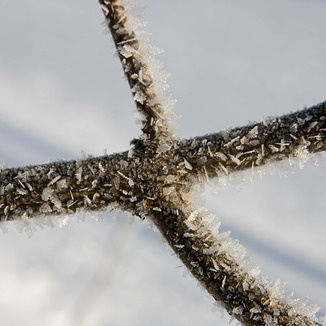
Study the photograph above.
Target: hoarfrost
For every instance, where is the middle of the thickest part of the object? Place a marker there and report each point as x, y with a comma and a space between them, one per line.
223, 282
190, 235
23, 225
87, 201
140, 97
254, 270
140, 116
22, 191
63, 220
167, 191
191, 225
192, 216
322, 320
105, 9
217, 306
45, 208
53, 181
232, 141
256, 309
9, 187
255, 142
211, 250
146, 55
253, 133
224, 169
130, 153
130, 181
6, 210
312, 125
100, 166
220, 155
57, 203
123, 164
50, 173
301, 122
79, 173
46, 194
282, 145
277, 290
216, 266
268, 319
62, 184
199, 223
273, 148
126, 50
170, 179
187, 165
21, 183
234, 159
303, 154
179, 247
163, 148
294, 127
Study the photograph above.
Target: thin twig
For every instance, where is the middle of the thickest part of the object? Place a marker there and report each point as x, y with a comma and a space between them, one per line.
295, 135
135, 66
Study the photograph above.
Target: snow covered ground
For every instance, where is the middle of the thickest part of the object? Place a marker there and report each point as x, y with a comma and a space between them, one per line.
62, 90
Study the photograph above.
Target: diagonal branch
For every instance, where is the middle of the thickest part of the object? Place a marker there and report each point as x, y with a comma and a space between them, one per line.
135, 64
219, 263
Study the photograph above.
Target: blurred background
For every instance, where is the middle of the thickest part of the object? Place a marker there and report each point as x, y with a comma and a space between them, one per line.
62, 90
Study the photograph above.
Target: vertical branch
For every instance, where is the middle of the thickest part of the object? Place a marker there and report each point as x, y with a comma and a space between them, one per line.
136, 68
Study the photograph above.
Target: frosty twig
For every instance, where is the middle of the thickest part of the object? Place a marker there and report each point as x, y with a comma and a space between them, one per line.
220, 264
293, 135
158, 187
60, 187
134, 62
155, 178
123, 179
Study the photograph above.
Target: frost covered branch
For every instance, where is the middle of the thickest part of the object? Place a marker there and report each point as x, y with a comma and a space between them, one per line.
220, 264
60, 187
155, 179
136, 59
128, 180
295, 135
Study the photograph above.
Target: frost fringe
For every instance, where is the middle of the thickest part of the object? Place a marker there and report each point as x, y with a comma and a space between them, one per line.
142, 69
155, 180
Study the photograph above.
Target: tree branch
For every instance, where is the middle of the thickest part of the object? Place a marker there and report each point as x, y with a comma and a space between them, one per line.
155, 178
122, 179
220, 264
62, 187
293, 135
134, 58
